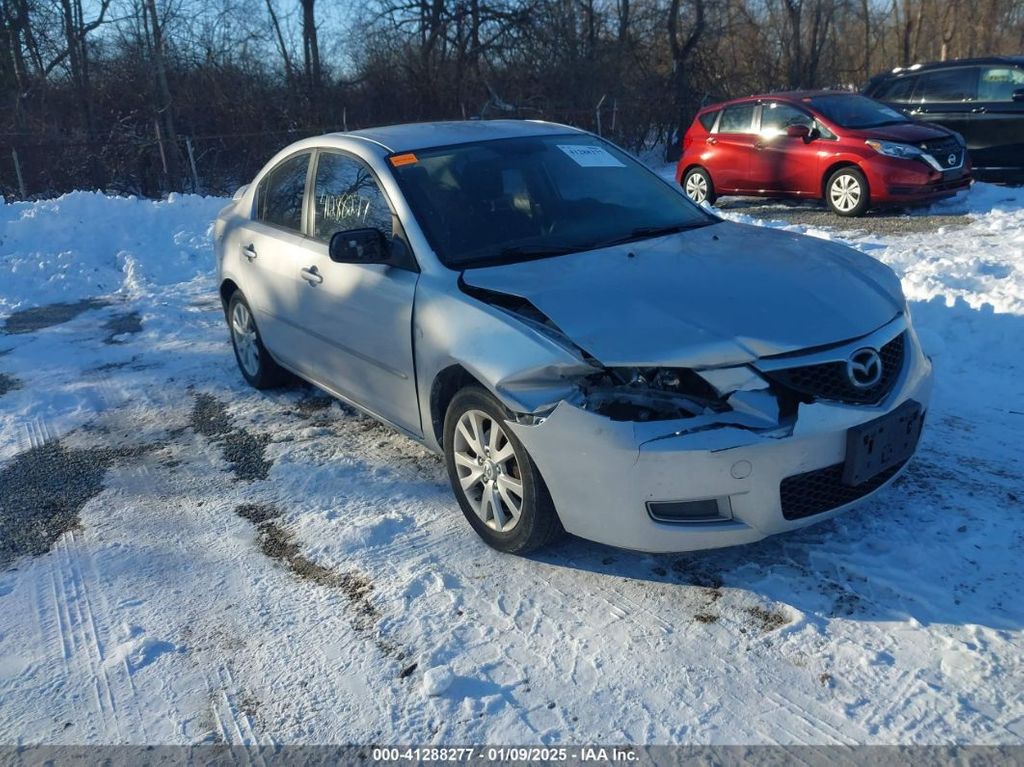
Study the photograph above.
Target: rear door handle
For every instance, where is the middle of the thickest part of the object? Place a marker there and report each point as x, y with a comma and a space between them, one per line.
249, 251
712, 140
312, 275
759, 145
979, 110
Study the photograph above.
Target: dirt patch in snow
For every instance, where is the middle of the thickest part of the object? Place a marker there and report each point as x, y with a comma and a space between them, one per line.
8, 383
42, 490
766, 621
39, 317
242, 449
126, 323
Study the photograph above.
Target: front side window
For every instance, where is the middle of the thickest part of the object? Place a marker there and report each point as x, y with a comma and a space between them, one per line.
948, 85
999, 83
737, 119
776, 117
849, 111
513, 199
346, 196
280, 194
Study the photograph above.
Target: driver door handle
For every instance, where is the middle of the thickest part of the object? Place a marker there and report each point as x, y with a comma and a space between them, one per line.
249, 251
312, 275
979, 110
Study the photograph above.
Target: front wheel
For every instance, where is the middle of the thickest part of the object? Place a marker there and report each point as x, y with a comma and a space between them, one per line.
698, 186
846, 192
498, 487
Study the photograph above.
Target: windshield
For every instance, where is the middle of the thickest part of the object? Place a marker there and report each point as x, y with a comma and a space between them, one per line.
508, 200
856, 111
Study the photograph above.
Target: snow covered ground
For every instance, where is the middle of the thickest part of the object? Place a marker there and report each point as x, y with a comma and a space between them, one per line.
214, 564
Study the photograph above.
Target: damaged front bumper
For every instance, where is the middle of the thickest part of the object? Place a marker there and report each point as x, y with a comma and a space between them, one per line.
608, 478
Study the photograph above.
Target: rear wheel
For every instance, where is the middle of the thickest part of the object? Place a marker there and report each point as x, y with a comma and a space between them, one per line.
255, 363
698, 186
846, 192
498, 487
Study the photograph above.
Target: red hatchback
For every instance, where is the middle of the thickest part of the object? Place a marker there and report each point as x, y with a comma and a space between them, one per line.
848, 149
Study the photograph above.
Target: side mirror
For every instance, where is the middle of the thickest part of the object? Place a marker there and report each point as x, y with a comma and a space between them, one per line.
798, 131
1018, 95
359, 246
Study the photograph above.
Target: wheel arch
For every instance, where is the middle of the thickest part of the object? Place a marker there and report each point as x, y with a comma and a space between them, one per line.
839, 165
446, 384
228, 288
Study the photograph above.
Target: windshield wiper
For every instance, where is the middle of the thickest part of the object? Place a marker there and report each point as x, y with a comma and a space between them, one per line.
650, 232
516, 253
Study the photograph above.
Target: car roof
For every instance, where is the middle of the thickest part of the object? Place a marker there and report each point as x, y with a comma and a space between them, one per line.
794, 96
924, 67
413, 136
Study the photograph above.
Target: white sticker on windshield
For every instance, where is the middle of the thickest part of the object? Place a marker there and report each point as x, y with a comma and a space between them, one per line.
589, 156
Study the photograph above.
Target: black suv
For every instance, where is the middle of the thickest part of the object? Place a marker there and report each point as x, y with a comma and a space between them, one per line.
981, 99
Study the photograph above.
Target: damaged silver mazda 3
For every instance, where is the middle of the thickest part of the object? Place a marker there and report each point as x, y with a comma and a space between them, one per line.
590, 351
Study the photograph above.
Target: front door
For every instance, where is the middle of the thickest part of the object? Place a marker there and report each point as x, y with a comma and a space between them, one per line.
997, 135
357, 317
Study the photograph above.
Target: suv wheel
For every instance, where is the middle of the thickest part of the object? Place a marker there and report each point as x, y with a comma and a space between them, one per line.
256, 364
498, 487
846, 192
698, 187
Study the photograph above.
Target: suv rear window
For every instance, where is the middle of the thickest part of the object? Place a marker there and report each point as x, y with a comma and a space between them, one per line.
900, 89
708, 119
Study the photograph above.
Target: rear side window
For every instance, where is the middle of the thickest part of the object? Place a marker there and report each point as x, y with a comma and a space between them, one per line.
737, 119
900, 89
999, 83
708, 119
948, 85
280, 194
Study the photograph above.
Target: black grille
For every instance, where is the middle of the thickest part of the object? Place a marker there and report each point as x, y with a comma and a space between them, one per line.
944, 148
821, 490
829, 380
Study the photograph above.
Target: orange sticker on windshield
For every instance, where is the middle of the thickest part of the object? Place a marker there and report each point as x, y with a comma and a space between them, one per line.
399, 160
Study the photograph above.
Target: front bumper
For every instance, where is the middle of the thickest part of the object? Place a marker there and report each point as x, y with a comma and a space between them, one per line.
896, 181
603, 473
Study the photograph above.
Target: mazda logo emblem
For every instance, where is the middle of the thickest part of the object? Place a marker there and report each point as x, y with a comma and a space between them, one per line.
864, 368
951, 160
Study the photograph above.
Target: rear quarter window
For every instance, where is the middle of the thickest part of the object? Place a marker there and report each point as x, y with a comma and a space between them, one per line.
707, 120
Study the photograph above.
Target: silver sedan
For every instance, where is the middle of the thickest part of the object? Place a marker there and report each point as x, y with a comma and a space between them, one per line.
590, 351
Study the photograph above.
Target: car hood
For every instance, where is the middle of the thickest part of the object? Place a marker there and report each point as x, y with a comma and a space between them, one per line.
904, 133
719, 295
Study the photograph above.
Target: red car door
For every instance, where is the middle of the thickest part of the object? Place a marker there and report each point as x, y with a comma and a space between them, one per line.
733, 143
784, 163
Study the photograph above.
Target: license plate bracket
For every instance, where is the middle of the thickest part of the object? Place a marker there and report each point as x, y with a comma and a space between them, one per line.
877, 445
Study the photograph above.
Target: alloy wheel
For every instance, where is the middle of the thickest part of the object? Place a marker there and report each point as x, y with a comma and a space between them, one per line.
697, 187
488, 470
845, 192
243, 333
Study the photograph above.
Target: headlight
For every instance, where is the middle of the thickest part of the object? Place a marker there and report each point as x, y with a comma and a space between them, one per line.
650, 394
891, 149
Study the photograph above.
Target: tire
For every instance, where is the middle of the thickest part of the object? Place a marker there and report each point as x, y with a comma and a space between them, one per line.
492, 487
847, 193
698, 186
254, 361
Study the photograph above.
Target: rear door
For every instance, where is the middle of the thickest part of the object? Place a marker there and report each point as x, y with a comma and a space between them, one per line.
998, 130
782, 163
948, 97
733, 148
270, 248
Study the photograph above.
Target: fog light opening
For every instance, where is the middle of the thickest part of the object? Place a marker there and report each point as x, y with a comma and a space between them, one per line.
691, 512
